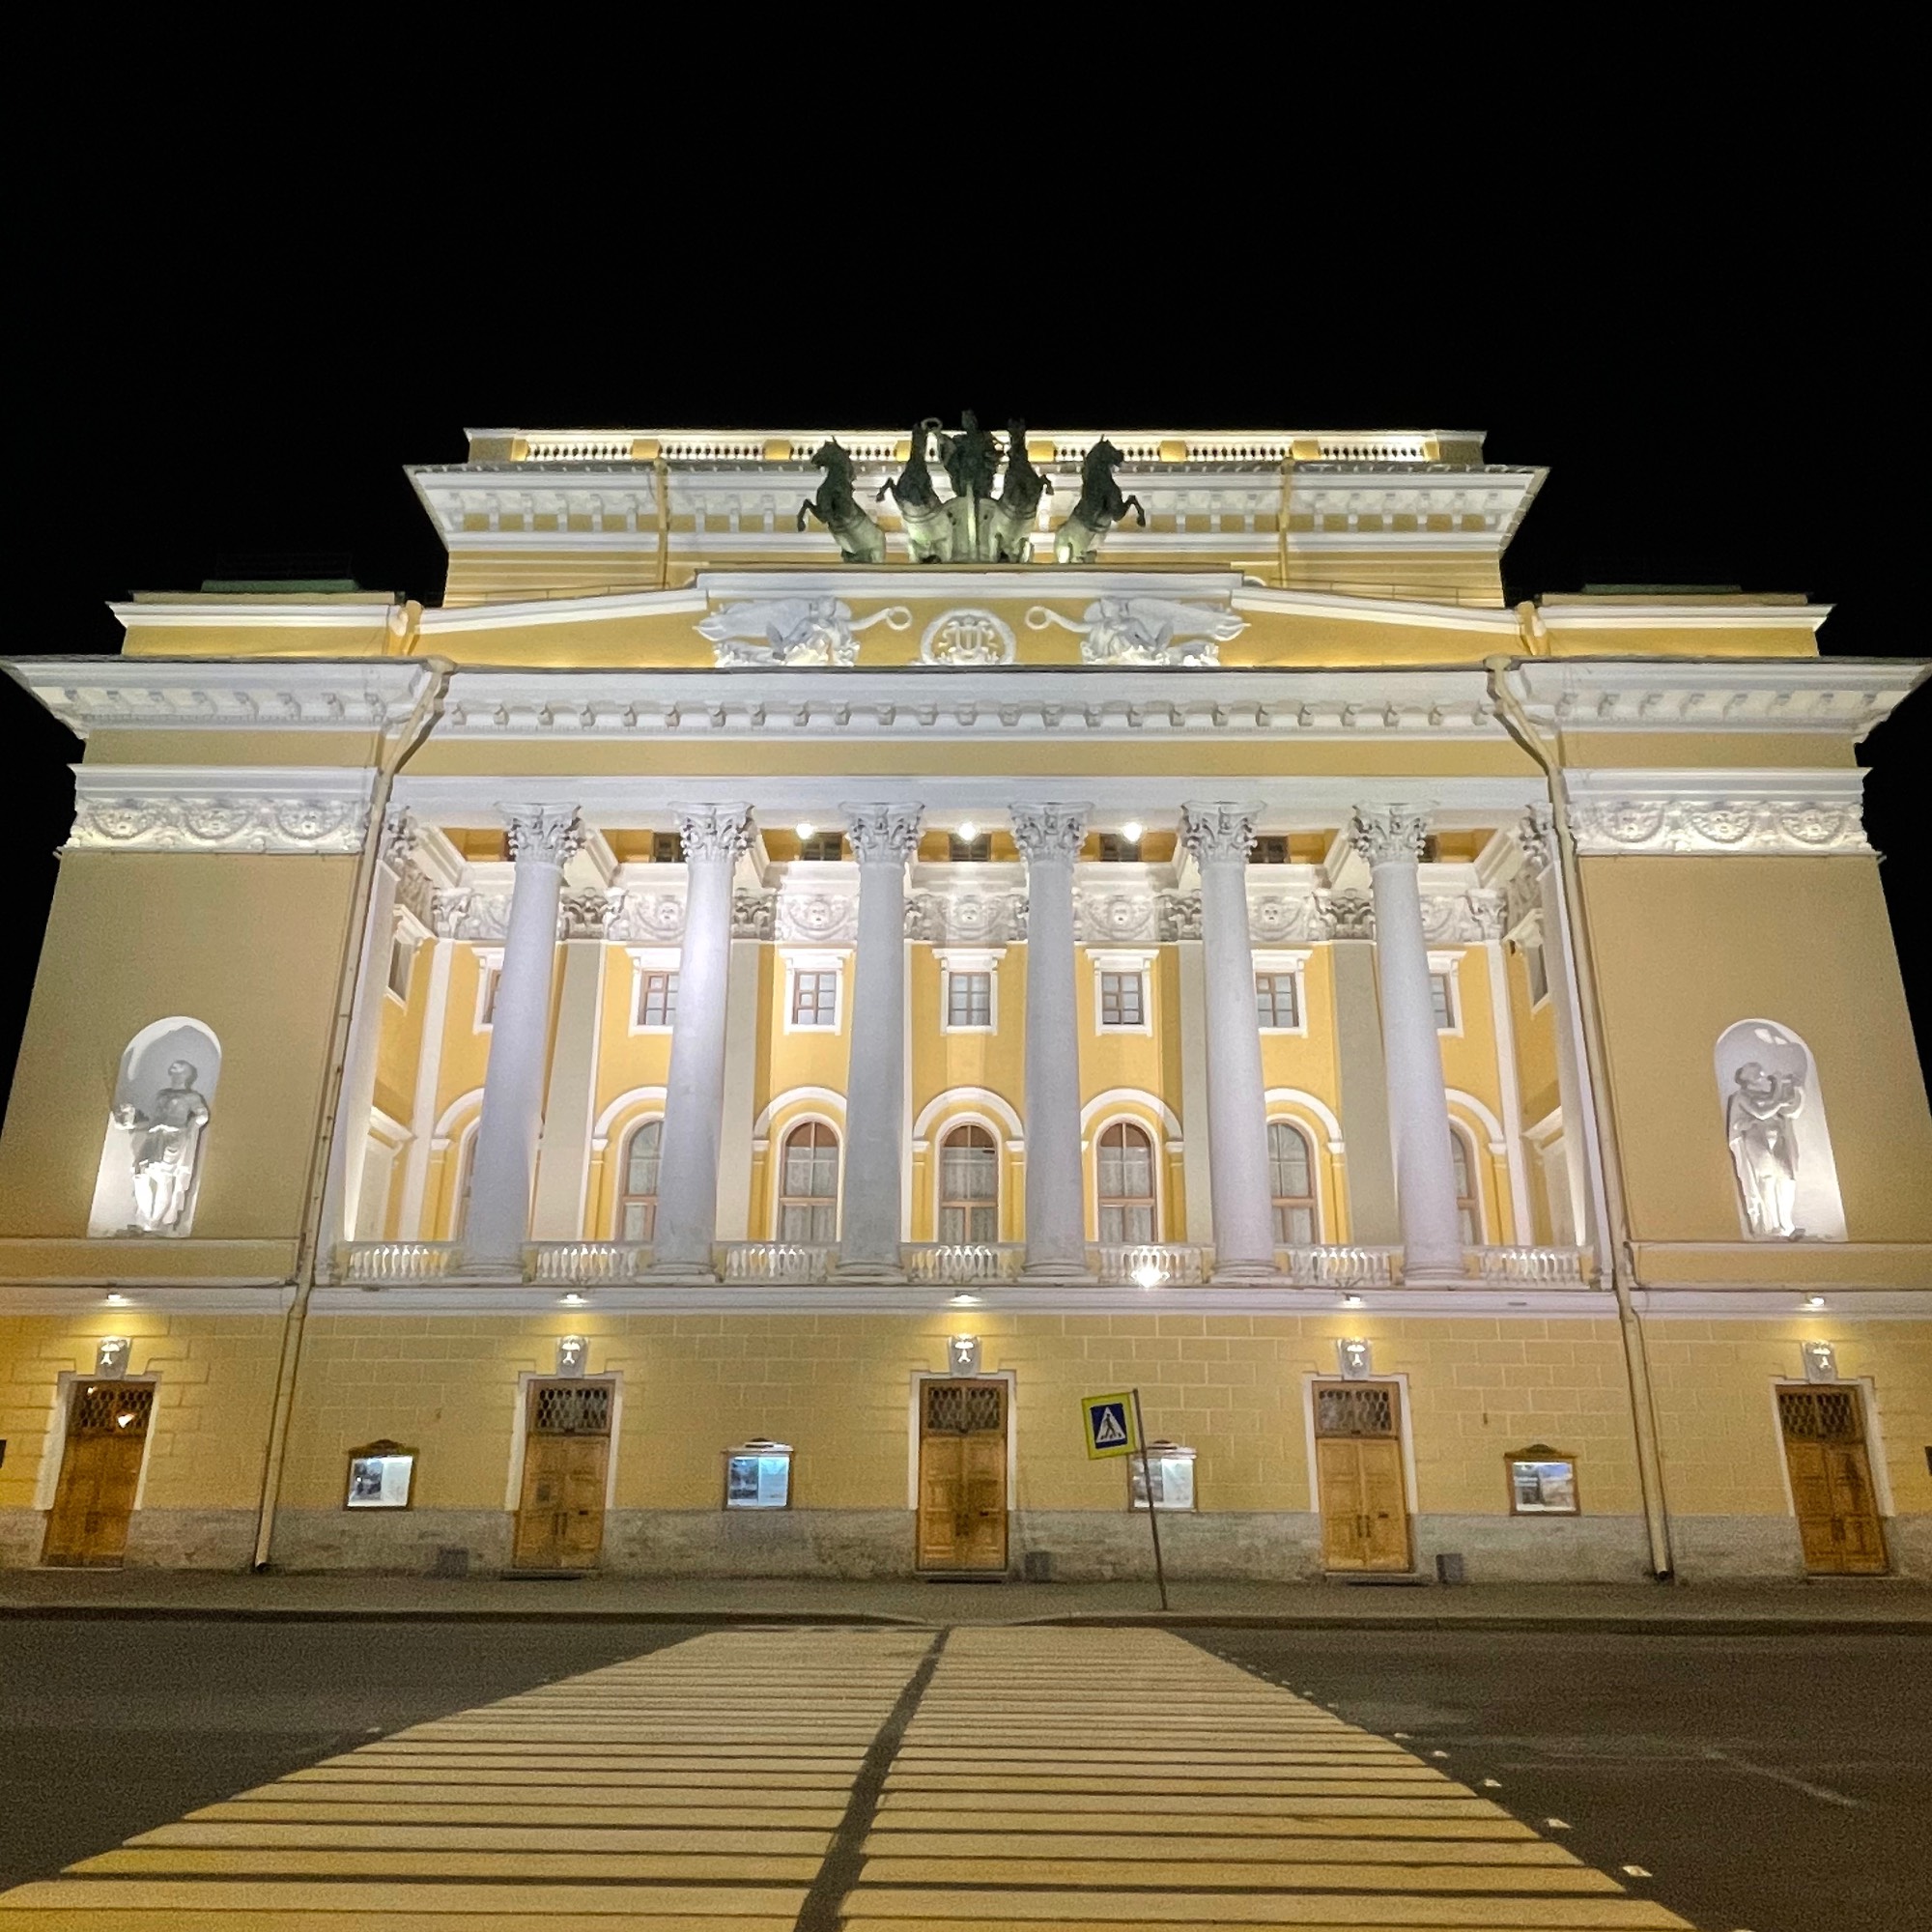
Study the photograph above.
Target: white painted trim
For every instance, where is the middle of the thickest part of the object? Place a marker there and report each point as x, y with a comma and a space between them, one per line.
1137, 960
1113, 1097
1406, 1435
1160, 1147
447, 1121
1450, 965
1592, 614
1300, 1097
1502, 1020
920, 1377
792, 1096
648, 959
53, 1445
969, 959
1276, 961
611, 608
815, 959
372, 611
632, 1096
1333, 605
1011, 1132
519, 1423
775, 1174
489, 967
428, 1072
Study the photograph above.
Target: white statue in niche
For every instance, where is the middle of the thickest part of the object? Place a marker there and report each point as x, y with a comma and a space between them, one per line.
1787, 1178
1764, 1146
165, 1147
155, 1132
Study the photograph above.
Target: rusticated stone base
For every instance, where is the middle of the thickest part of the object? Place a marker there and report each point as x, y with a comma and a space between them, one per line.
1099, 1545
389, 1542
189, 1539
1536, 1549
759, 1543
1736, 1549
23, 1532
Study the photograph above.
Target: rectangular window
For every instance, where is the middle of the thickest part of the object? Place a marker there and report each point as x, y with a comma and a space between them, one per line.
667, 848
486, 999
1270, 851
402, 963
823, 848
1442, 996
968, 999
814, 1000
1537, 966
1122, 1000
977, 851
1117, 850
657, 999
1278, 1001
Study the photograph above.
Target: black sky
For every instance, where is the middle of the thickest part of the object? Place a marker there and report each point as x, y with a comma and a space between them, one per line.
234, 354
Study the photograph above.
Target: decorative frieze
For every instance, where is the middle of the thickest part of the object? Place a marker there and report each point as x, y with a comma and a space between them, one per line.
1179, 916
167, 809
1344, 915
967, 917
1116, 919
754, 915
1145, 630
817, 919
1761, 814
792, 630
967, 637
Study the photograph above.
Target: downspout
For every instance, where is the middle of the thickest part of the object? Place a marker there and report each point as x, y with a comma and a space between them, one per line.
1644, 1414
422, 720
660, 489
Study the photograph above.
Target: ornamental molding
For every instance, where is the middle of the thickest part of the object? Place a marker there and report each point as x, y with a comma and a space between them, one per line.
1116, 918
968, 635
471, 912
793, 631
92, 694
1145, 631
192, 809
1049, 834
1758, 813
883, 834
1391, 834
542, 835
712, 831
817, 917
754, 915
1218, 834
969, 916
1846, 696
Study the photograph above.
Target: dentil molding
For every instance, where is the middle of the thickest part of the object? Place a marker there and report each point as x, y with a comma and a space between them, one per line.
170, 809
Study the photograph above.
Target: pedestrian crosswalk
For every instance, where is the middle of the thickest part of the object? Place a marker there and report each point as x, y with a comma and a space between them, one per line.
1012, 1779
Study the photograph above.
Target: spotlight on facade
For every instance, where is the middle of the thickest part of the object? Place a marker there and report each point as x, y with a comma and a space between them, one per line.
1352, 1301
1148, 1274
968, 831
805, 829
117, 1300
1131, 830
1814, 1301
572, 1299
964, 1300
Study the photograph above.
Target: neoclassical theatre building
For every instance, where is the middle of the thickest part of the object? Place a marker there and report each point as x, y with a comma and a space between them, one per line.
696, 1053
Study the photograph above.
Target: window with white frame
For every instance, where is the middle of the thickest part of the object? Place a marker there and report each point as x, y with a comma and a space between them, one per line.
489, 972
667, 848
1536, 968
402, 962
1123, 1173
969, 1186
809, 1185
1118, 849
657, 1000
1292, 1178
1269, 849
1469, 1198
974, 851
969, 1002
1281, 991
811, 991
1122, 992
822, 848
1442, 997
638, 1195
466, 1177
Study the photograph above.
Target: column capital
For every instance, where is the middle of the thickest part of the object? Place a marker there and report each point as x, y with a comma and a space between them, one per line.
1534, 833
1218, 832
400, 832
1388, 835
883, 834
1046, 832
714, 831
546, 835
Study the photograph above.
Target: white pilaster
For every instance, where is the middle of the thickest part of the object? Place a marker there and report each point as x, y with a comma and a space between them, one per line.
542, 839
714, 835
741, 1086
884, 838
1197, 1185
1049, 837
342, 1194
1509, 1082
563, 1156
1362, 1061
423, 1108
1390, 838
1219, 836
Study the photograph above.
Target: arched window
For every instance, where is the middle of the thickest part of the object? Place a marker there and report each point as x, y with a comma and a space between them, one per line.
1292, 1177
809, 1185
1468, 1197
969, 1186
638, 1202
1126, 1186
465, 1176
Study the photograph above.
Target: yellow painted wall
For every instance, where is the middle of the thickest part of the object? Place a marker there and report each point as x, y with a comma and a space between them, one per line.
249, 946
1803, 942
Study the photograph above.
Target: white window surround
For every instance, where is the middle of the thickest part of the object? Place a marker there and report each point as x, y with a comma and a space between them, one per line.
1138, 960
1535, 969
53, 1445
813, 959
1472, 1153
1407, 1437
1312, 1136
968, 960
401, 965
1159, 1151
612, 1378
775, 1175
1269, 959
489, 964
1449, 966
648, 959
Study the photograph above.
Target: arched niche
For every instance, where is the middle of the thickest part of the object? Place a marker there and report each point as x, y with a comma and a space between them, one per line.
155, 1141
1779, 1143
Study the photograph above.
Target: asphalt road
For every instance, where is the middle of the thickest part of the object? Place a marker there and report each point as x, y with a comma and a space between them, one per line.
1780, 1784
1773, 1784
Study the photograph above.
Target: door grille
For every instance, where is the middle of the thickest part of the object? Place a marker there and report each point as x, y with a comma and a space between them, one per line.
1820, 1414
571, 1409
1354, 1408
113, 1408
963, 1408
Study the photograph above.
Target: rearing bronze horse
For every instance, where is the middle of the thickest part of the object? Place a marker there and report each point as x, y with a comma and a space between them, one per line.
1019, 500
1101, 506
860, 539
928, 527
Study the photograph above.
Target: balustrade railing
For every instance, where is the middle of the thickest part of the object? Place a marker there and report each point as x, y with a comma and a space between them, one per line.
777, 1261
575, 1263
950, 1263
373, 1264
1340, 1266
1570, 1266
1152, 1264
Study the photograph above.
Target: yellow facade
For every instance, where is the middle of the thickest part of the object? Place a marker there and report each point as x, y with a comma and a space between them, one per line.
1627, 829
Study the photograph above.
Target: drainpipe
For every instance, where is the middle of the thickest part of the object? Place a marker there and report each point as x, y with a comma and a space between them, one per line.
421, 722
1623, 1274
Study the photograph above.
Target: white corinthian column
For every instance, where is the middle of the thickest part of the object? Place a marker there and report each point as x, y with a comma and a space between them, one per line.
1049, 837
1390, 839
714, 834
884, 837
542, 840
1219, 836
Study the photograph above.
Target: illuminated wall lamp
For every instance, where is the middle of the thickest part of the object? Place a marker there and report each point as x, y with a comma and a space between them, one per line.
1149, 1274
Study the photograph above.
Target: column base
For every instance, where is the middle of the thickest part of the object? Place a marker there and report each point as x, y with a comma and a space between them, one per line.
1437, 1276
1056, 1271
485, 1270
679, 1272
880, 1271
1251, 1272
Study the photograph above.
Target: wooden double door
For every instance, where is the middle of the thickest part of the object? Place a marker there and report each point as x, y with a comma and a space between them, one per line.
566, 1467
100, 1469
1826, 1451
1359, 1477
962, 1475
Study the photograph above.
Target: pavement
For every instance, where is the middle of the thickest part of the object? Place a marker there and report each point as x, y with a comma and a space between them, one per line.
1844, 1605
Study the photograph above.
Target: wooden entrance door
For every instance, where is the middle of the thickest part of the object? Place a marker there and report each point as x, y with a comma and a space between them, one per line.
566, 1461
100, 1468
962, 1475
1831, 1479
1359, 1473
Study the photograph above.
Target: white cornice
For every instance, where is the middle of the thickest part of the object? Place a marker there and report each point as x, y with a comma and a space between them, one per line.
611, 608
92, 694
1417, 613
1759, 814
1846, 696
1665, 616
198, 809
267, 613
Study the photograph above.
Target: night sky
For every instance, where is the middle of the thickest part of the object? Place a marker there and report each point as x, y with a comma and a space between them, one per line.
1717, 406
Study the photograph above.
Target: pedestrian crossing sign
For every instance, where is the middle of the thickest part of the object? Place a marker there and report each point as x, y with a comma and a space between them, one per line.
1110, 1425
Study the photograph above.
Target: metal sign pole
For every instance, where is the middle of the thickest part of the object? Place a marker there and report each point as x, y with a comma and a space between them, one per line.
1153, 1513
